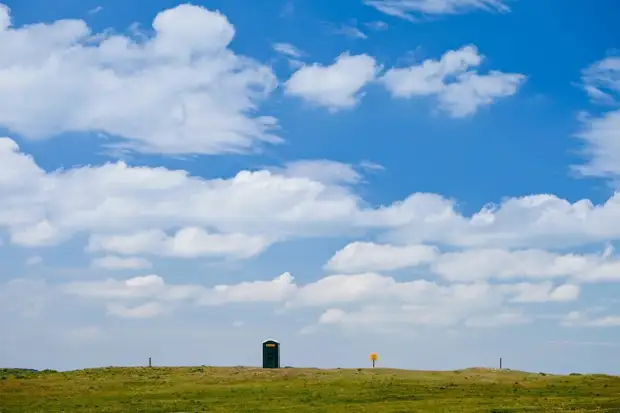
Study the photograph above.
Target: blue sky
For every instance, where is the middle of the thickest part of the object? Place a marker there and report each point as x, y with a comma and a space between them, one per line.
431, 180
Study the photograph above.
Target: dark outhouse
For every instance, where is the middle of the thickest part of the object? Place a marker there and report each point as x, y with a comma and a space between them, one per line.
271, 354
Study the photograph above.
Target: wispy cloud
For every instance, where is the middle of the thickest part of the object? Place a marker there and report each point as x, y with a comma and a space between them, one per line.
351, 32
377, 26
287, 49
413, 9
95, 10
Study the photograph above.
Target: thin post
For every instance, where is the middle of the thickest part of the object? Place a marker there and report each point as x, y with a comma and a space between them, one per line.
373, 364
500, 363
150, 365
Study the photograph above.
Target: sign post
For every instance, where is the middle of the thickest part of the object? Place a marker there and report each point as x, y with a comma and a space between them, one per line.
373, 358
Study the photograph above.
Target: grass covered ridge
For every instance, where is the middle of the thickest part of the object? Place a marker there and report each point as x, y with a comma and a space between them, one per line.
240, 389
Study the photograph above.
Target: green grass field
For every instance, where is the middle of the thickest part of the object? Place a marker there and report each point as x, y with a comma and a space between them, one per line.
216, 389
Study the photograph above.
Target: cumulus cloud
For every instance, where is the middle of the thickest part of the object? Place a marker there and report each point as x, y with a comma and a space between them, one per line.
504, 264
454, 80
407, 316
530, 264
135, 210
412, 9
183, 90
111, 262
478, 264
321, 170
276, 290
422, 303
416, 302
368, 256
180, 91
532, 221
600, 134
144, 294
133, 288
336, 86
145, 210
459, 88
583, 319
189, 242
542, 292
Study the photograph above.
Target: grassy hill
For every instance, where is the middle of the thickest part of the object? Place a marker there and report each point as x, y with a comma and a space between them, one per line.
239, 389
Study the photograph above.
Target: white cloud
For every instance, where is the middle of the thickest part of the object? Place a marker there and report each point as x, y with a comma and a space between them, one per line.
351, 32
336, 289
367, 256
276, 290
478, 264
321, 170
241, 215
5, 17
482, 264
423, 303
533, 221
440, 314
111, 262
39, 234
600, 134
377, 25
601, 80
189, 242
337, 86
133, 288
391, 301
566, 292
287, 49
150, 295
95, 10
379, 289
460, 90
542, 292
180, 91
411, 9
581, 319
238, 216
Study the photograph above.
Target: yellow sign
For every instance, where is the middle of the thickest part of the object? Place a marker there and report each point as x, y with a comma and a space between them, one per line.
373, 356
270, 345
